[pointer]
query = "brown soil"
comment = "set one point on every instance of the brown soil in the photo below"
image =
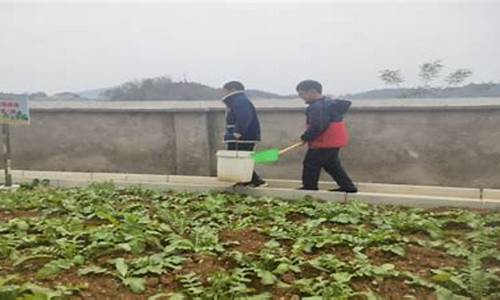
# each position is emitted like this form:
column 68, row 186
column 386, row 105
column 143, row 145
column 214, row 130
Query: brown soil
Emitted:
column 490, row 262
column 202, row 265
column 392, row 289
column 95, row 222
column 296, row 217
column 418, row 260
column 101, row 287
column 247, row 241
column 456, row 226
column 6, row 215
column 96, row 286
column 342, row 252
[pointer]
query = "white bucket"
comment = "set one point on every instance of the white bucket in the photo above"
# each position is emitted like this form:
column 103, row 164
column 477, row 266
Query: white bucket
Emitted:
column 235, row 166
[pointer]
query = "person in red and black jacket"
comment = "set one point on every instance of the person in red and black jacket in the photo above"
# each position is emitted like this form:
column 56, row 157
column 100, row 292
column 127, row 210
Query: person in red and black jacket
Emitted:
column 325, row 135
column 242, row 124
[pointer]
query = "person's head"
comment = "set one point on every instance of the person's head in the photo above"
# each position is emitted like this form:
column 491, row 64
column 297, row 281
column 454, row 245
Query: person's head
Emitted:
column 309, row 90
column 231, row 87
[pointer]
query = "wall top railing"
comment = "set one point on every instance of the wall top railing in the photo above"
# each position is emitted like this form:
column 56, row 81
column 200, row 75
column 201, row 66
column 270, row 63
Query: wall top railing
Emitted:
column 263, row 105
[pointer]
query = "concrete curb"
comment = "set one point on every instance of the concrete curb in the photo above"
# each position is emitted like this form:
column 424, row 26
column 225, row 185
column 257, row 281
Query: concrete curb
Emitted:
column 373, row 193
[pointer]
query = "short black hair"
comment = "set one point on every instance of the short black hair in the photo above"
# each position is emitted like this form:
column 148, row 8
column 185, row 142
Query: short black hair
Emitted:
column 307, row 85
column 234, row 86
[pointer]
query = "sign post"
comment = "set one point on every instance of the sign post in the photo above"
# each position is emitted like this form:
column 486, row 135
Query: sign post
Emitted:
column 6, row 154
column 16, row 112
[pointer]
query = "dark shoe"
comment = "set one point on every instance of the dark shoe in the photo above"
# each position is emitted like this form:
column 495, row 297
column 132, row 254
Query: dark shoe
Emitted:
column 355, row 190
column 307, row 189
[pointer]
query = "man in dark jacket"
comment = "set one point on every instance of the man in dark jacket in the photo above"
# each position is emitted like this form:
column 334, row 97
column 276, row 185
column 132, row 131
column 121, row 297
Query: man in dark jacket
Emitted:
column 326, row 133
column 242, row 123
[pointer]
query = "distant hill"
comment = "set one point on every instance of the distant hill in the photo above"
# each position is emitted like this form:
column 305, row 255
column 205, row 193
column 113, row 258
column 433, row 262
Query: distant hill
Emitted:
column 33, row 96
column 257, row 94
column 163, row 88
column 94, row 94
column 10, row 96
column 467, row 91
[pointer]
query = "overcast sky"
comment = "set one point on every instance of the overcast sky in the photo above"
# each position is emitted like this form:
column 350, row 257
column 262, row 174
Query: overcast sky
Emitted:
column 57, row 46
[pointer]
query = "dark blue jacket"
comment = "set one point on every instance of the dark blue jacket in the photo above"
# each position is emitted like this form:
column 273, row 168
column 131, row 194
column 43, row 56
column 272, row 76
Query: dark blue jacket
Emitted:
column 241, row 118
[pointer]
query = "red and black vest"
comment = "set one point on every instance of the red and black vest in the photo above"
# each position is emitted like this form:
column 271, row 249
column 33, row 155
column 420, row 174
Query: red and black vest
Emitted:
column 325, row 125
column 335, row 136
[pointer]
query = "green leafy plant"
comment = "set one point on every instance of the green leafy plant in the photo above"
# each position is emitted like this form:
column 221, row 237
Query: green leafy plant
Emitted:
column 309, row 248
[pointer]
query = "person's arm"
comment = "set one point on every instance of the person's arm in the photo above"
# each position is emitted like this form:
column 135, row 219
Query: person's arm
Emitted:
column 243, row 117
column 318, row 122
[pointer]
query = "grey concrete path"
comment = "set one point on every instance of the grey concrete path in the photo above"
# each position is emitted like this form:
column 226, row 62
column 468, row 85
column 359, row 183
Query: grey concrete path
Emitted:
column 405, row 195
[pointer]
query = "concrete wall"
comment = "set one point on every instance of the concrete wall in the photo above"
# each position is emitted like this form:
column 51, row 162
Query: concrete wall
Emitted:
column 452, row 142
column 96, row 141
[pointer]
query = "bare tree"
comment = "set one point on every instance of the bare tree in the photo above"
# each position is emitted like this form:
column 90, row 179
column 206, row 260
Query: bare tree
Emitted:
column 457, row 77
column 429, row 72
column 391, row 77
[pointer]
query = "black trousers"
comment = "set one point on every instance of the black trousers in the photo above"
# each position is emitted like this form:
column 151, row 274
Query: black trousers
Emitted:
column 328, row 159
column 245, row 147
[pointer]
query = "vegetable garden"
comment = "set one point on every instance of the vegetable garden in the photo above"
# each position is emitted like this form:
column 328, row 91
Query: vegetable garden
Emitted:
column 104, row 242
